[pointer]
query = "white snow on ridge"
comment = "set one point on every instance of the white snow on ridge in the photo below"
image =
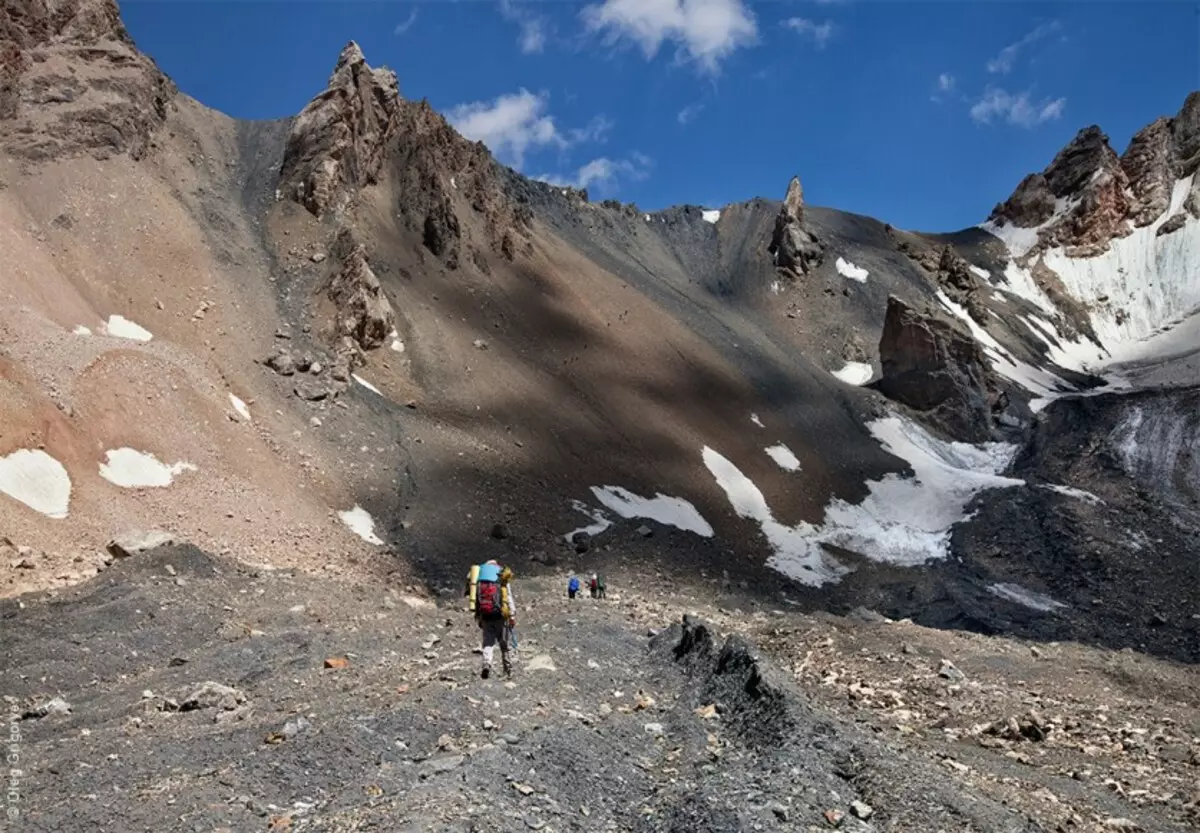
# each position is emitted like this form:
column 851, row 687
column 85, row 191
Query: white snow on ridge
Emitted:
column 120, row 327
column 783, row 456
column 1147, row 280
column 711, row 216
column 848, row 270
column 239, row 406
column 855, row 373
column 903, row 520
column 599, row 524
column 360, row 522
column 1071, row 491
column 1035, row 380
column 669, row 511
column 980, row 272
column 34, row 478
column 366, row 384
column 133, row 469
column 1028, row 598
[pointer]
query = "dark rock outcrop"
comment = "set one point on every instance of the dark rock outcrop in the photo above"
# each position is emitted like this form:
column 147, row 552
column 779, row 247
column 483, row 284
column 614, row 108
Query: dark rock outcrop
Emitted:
column 364, row 313
column 930, row 365
column 112, row 100
column 1089, row 196
column 338, row 142
column 793, row 246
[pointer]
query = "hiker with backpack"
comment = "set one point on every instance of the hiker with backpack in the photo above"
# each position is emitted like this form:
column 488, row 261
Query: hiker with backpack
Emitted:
column 593, row 585
column 572, row 587
column 495, row 613
column 600, row 587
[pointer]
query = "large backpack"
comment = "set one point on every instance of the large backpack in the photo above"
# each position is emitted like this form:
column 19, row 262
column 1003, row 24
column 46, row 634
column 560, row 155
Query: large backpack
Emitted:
column 489, row 600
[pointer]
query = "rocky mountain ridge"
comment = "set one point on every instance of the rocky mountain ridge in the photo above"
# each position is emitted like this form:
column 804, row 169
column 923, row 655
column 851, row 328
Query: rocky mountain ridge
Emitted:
column 1088, row 195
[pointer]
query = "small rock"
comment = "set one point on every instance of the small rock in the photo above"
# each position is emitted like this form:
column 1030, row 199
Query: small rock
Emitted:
column 950, row 672
column 135, row 543
column 56, row 706
column 541, row 662
column 834, row 817
column 488, row 724
column 499, row 532
column 213, row 695
column 480, row 344
column 318, row 257
column 336, row 662
column 861, row 810
column 780, row 810
column 445, row 763
column 1036, row 652
column 655, row 729
column 645, row 531
column 315, row 422
column 315, row 368
column 296, row 726
column 523, row 789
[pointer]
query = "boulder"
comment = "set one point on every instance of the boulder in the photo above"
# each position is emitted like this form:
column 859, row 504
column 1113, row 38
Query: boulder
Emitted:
column 136, row 542
column 932, row 366
column 338, row 142
column 364, row 313
column 794, row 247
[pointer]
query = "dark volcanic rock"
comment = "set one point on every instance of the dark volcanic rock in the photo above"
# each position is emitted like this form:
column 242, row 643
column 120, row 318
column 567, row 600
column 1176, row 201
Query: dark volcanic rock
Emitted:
column 793, row 246
column 932, row 366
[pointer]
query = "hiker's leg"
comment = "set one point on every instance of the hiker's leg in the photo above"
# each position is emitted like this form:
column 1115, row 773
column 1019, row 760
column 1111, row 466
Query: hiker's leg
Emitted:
column 504, row 636
column 489, row 644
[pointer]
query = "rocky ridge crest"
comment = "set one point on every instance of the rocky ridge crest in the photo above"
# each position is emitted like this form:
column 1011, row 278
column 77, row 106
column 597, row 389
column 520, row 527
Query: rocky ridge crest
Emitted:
column 794, row 247
column 1089, row 196
column 73, row 82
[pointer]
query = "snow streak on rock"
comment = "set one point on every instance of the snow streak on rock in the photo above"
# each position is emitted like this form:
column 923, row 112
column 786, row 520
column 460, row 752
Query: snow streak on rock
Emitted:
column 133, row 469
column 120, row 327
column 669, row 511
column 783, row 455
column 361, row 523
column 239, row 406
column 599, row 524
column 855, row 373
column 848, row 270
column 34, row 478
column 903, row 520
column 367, row 384
column 1019, row 595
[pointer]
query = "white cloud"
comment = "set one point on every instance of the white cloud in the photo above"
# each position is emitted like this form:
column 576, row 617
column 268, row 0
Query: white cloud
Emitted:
column 533, row 27
column 510, row 125
column 404, row 25
column 604, row 173
column 1019, row 109
column 595, row 131
column 945, row 84
column 819, row 32
column 705, row 31
column 1007, row 57
column 689, row 113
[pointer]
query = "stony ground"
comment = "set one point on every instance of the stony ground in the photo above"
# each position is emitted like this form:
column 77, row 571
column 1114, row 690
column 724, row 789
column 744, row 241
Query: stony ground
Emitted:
column 177, row 691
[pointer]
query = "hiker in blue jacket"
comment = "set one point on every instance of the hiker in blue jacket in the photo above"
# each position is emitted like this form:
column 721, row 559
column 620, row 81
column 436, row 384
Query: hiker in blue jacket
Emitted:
column 572, row 587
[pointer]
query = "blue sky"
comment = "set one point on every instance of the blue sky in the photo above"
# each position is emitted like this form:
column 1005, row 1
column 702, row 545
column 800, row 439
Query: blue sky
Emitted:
column 923, row 114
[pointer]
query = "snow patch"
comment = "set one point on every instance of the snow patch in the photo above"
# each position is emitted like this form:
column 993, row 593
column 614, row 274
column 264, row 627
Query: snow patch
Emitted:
column 453, row 184
column 1028, row 598
column 120, row 327
column 82, row 331
column 1145, row 280
column 903, row 520
column 711, row 216
column 133, row 469
column 239, row 406
column 1071, row 491
column 979, row 272
column 848, row 270
column 599, row 524
column 34, row 478
column 361, row 523
column 366, row 384
column 855, row 373
column 1046, row 385
column 397, row 345
column 783, row 455
column 754, row 418
column 670, row 511
column 647, row 218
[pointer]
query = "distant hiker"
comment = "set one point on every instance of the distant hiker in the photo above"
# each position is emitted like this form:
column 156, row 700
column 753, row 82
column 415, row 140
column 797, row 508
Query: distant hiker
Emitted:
column 572, row 587
column 594, row 585
column 495, row 612
column 600, row 587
